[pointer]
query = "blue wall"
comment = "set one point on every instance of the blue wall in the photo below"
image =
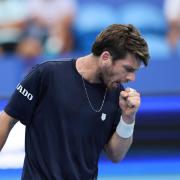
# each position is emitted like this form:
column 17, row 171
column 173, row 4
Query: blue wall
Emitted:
column 161, row 77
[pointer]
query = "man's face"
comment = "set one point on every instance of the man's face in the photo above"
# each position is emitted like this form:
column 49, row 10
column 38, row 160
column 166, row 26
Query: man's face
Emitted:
column 119, row 71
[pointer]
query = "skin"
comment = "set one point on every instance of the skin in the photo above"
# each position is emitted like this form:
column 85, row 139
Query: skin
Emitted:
column 6, row 124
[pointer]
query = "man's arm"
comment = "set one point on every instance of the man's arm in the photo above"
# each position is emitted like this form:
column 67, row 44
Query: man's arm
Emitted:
column 6, row 124
column 117, row 147
column 121, row 140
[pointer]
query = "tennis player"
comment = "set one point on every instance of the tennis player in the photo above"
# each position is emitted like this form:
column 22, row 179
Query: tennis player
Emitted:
column 75, row 108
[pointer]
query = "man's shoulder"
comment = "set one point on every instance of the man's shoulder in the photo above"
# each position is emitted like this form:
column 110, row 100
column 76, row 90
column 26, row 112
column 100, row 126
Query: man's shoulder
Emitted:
column 56, row 62
column 55, row 65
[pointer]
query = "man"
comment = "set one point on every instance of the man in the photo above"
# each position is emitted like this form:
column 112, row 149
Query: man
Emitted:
column 73, row 109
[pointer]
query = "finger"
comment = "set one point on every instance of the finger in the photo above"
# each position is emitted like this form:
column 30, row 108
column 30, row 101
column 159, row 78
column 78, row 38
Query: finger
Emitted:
column 133, row 98
column 123, row 94
column 133, row 101
column 130, row 104
column 130, row 89
column 133, row 94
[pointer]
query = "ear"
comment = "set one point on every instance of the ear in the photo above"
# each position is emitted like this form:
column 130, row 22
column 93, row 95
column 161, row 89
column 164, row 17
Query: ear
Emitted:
column 105, row 59
column 105, row 56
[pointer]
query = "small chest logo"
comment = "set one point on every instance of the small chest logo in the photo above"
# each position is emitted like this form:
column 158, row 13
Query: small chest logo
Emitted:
column 24, row 92
column 103, row 116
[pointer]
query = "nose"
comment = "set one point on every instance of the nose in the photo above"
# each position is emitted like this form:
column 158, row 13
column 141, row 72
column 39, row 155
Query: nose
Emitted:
column 131, row 77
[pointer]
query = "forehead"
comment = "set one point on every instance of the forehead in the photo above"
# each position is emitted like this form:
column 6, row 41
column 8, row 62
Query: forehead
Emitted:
column 130, row 60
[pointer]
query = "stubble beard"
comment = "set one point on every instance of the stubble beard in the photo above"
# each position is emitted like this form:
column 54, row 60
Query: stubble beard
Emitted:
column 104, row 78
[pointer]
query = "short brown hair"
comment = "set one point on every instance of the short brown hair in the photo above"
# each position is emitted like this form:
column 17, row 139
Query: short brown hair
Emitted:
column 119, row 40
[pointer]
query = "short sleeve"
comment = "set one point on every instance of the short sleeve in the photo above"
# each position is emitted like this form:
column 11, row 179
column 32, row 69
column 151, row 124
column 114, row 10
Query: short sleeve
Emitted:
column 26, row 96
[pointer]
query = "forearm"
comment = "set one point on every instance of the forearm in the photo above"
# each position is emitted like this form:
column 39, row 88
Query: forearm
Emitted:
column 121, row 140
column 117, row 147
column 6, row 124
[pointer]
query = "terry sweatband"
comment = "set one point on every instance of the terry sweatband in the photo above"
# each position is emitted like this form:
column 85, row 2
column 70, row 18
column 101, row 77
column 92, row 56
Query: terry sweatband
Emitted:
column 125, row 130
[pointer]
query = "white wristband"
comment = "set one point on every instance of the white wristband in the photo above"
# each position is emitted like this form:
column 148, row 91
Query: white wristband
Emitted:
column 125, row 130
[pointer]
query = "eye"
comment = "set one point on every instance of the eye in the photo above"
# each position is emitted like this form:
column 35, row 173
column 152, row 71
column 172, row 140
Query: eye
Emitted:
column 129, row 69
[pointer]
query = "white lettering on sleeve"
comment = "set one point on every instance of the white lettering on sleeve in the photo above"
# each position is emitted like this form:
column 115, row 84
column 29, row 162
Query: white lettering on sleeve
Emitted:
column 24, row 92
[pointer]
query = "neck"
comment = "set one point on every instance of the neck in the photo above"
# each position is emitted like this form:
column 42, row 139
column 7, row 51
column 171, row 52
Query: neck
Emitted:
column 88, row 68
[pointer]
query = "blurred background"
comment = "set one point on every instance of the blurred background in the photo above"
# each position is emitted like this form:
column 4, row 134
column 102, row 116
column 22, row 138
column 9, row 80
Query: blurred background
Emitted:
column 34, row 31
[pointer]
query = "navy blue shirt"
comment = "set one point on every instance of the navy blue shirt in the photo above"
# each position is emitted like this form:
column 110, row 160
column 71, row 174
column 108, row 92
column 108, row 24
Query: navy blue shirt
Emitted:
column 64, row 136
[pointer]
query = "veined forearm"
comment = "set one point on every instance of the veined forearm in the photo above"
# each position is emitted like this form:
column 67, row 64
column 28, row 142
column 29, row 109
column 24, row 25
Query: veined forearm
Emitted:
column 117, row 147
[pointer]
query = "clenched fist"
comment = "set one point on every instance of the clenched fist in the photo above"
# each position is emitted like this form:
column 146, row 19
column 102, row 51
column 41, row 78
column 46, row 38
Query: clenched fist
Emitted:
column 129, row 102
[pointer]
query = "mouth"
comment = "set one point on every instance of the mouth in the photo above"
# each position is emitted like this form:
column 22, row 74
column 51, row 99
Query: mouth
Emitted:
column 115, row 84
